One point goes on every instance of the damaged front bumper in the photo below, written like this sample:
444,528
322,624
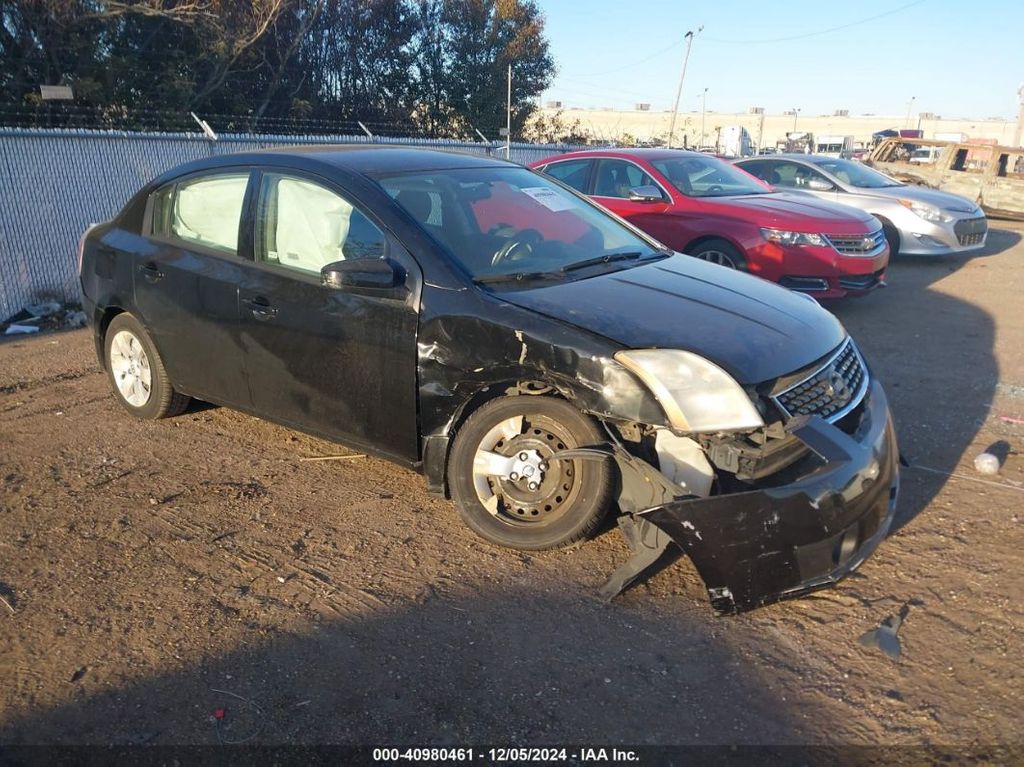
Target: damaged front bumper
756,547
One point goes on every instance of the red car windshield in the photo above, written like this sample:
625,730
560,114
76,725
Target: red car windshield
698,175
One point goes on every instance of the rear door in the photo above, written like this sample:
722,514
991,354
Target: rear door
186,284
325,360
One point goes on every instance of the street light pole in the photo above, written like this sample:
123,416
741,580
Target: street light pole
679,92
508,118
910,106
703,110
796,113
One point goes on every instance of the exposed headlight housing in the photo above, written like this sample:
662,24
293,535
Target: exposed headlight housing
696,394
783,237
927,211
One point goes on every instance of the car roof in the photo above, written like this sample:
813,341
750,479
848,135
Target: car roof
640,152
360,159
801,156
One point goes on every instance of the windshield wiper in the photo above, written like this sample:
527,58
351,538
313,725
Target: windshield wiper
488,279
605,259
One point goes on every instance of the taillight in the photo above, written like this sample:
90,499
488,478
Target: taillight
81,246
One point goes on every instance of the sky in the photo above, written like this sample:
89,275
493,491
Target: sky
955,59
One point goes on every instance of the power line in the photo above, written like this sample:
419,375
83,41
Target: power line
819,32
654,55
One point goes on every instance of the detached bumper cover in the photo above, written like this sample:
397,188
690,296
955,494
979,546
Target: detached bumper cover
757,547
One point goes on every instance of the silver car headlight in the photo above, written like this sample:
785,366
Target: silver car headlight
696,394
927,212
783,237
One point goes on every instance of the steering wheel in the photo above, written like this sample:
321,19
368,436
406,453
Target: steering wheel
520,245
716,188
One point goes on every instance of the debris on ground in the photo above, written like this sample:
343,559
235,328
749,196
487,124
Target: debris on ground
346,457
44,316
14,330
885,637
986,463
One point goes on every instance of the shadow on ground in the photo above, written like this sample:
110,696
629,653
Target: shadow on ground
914,336
515,667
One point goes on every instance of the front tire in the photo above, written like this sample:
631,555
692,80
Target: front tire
892,236
720,252
548,504
136,371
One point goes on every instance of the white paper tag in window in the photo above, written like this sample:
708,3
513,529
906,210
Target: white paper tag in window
548,198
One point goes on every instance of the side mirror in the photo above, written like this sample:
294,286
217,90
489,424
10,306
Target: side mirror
819,185
367,276
646,193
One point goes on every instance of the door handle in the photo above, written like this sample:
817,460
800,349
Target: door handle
260,308
151,272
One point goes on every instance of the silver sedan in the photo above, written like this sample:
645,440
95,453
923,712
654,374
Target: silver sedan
916,220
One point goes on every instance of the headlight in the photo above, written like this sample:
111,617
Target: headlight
792,238
697,395
927,212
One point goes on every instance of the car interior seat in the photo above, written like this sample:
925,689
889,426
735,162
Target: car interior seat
607,181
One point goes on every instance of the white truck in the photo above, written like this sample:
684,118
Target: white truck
734,141
834,146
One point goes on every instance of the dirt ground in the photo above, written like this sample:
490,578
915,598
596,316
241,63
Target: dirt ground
156,572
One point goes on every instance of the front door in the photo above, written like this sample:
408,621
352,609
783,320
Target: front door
327,361
186,284
613,180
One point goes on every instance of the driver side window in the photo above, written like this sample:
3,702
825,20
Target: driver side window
792,175
304,226
616,177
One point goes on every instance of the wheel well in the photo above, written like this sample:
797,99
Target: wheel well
888,226
711,238
478,399
101,331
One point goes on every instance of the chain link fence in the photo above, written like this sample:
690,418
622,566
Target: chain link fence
54,183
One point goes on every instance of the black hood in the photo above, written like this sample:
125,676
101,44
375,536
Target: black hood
752,328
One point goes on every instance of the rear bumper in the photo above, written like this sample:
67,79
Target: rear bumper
764,545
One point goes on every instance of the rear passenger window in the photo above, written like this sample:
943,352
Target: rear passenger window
304,226
203,211
571,173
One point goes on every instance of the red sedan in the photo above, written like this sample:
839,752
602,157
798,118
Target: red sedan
700,205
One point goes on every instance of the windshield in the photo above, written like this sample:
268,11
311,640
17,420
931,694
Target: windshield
854,174
701,176
513,224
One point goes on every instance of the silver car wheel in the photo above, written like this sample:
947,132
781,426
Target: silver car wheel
717,257
129,365
513,478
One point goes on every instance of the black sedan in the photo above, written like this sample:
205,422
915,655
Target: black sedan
539,360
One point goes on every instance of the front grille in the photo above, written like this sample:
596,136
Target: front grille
858,244
971,231
830,391
861,281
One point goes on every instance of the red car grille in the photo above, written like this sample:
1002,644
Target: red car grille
859,244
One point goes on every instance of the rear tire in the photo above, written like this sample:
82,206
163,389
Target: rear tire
570,498
720,252
137,373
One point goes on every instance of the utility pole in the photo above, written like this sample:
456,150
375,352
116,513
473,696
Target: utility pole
910,106
703,110
760,132
1020,116
679,92
508,118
